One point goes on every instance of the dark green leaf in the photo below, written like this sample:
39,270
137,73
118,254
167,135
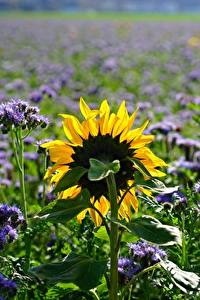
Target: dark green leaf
150,229
81,270
63,210
99,170
186,281
70,179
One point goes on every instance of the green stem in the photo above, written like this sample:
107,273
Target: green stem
15,151
130,292
44,183
112,190
184,245
18,148
21,173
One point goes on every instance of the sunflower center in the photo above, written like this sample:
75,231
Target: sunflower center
107,149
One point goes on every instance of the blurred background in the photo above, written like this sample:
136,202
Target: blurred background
169,6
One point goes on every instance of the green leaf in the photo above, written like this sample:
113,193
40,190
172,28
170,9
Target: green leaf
140,167
99,170
81,270
152,230
184,280
70,179
63,210
155,185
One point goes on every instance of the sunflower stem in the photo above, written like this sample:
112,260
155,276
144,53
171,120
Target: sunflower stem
112,190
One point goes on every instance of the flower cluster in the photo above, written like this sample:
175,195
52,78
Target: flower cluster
8,287
174,197
142,256
10,218
19,113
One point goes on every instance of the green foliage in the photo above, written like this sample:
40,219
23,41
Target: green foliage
81,270
70,179
99,170
152,230
63,210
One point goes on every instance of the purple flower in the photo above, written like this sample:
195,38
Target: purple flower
127,269
19,113
5,182
10,218
142,256
7,286
194,75
174,197
164,127
110,64
47,90
29,140
31,155
35,96
145,254
185,164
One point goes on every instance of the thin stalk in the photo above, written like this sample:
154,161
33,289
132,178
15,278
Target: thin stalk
44,183
18,148
135,277
113,292
130,292
184,245
15,151
22,181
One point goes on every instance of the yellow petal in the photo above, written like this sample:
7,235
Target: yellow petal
53,144
103,206
71,192
122,123
144,191
81,215
122,109
131,120
86,111
141,141
71,132
112,120
133,134
104,117
78,128
148,157
92,126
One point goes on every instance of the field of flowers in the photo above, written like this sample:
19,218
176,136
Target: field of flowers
99,199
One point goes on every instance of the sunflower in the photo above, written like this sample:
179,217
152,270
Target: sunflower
104,136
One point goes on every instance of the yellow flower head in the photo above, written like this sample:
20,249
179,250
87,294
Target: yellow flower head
107,137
